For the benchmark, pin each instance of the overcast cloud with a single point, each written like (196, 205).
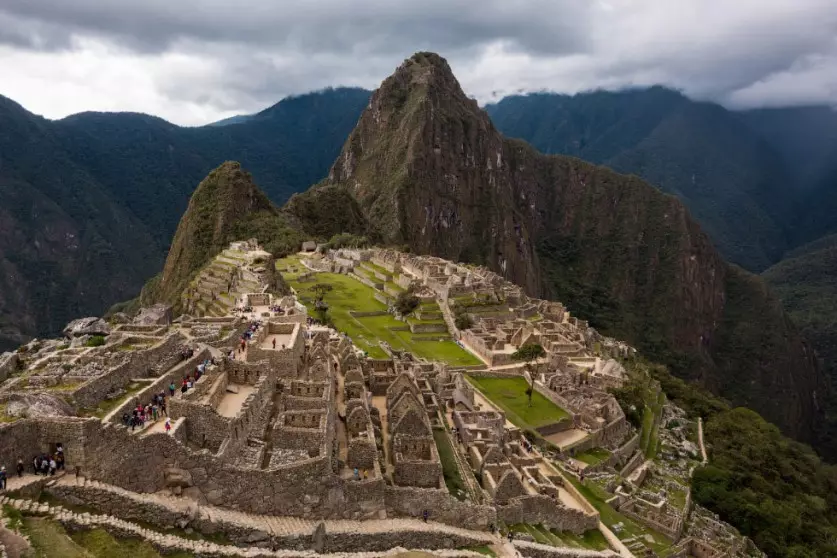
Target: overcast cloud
(196, 61)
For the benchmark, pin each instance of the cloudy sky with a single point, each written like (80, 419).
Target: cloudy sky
(196, 61)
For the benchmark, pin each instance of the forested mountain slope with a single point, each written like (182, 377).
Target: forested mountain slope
(89, 204)
(430, 172)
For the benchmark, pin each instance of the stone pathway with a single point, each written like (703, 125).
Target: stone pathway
(277, 526)
(167, 543)
(700, 440)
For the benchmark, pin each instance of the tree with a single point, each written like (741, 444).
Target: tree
(463, 320)
(529, 353)
(406, 303)
(320, 305)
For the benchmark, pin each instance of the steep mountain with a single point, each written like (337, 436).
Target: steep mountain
(726, 173)
(430, 172)
(89, 204)
(226, 206)
(68, 246)
(806, 281)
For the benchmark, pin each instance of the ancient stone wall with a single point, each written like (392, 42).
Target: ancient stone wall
(279, 358)
(174, 374)
(440, 505)
(537, 550)
(540, 509)
(140, 364)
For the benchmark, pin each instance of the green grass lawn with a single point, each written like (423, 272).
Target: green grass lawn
(349, 295)
(510, 395)
(593, 456)
(450, 470)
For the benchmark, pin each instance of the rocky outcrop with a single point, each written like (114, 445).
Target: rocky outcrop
(157, 314)
(36, 405)
(431, 173)
(87, 326)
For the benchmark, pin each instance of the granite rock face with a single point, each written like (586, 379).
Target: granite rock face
(87, 326)
(38, 405)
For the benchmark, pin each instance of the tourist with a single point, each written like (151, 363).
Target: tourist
(59, 460)
(184, 387)
(126, 419)
(20, 468)
(36, 464)
(511, 536)
(365, 474)
(274, 343)
(52, 466)
(425, 515)
(171, 389)
(163, 408)
(154, 412)
(3, 478)
(357, 474)
(168, 425)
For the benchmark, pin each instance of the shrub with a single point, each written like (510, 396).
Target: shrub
(95, 341)
(463, 321)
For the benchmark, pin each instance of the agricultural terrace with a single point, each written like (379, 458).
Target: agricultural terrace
(510, 395)
(348, 297)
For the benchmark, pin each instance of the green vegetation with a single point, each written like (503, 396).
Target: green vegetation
(50, 540)
(481, 549)
(591, 540)
(510, 395)
(529, 353)
(610, 517)
(593, 456)
(108, 405)
(95, 341)
(806, 282)
(102, 544)
(346, 240)
(125, 180)
(450, 469)
(406, 303)
(773, 489)
(351, 296)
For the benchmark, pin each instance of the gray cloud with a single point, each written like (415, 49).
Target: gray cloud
(196, 60)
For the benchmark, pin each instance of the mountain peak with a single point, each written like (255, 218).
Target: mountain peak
(226, 206)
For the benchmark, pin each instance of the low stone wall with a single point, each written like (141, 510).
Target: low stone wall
(632, 464)
(554, 428)
(354, 314)
(540, 509)
(175, 374)
(440, 505)
(537, 550)
(140, 364)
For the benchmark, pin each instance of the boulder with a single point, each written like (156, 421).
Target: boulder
(9, 363)
(34, 405)
(120, 318)
(158, 314)
(87, 326)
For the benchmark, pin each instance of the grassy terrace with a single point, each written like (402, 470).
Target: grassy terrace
(591, 540)
(350, 295)
(450, 470)
(510, 395)
(593, 456)
(597, 496)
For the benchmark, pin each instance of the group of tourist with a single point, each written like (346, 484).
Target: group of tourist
(149, 412)
(42, 464)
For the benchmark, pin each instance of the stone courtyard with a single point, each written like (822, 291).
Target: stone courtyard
(282, 434)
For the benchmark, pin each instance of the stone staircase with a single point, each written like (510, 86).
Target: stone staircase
(241, 527)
